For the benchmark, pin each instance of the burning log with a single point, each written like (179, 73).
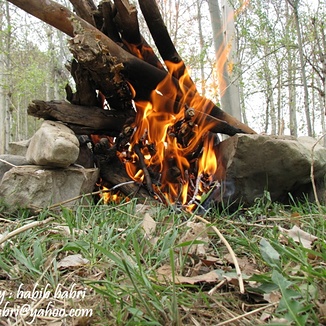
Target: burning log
(165, 130)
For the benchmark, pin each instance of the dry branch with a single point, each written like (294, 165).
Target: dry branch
(85, 9)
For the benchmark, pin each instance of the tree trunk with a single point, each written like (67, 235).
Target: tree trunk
(6, 80)
(229, 93)
(291, 76)
(269, 93)
(295, 5)
(2, 83)
(201, 46)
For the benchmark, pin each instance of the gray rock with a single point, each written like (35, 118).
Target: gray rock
(7, 162)
(36, 186)
(19, 147)
(252, 164)
(53, 144)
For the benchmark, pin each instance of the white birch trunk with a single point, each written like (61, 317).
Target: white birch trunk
(229, 93)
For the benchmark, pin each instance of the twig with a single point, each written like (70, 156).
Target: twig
(24, 228)
(193, 199)
(312, 175)
(233, 256)
(144, 168)
(90, 194)
(6, 162)
(247, 314)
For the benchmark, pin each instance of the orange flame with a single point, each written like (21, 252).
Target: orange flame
(176, 147)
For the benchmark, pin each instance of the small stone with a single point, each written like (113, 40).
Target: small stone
(53, 144)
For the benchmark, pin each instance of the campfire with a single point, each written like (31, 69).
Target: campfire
(166, 150)
(154, 135)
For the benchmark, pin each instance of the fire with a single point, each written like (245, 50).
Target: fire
(108, 196)
(171, 151)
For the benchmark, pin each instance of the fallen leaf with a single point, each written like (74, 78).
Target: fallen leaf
(322, 312)
(272, 297)
(300, 236)
(196, 232)
(247, 267)
(2, 236)
(210, 260)
(164, 273)
(149, 225)
(72, 261)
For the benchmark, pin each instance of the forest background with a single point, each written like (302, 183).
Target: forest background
(264, 61)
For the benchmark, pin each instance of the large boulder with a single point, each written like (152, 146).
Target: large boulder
(36, 186)
(253, 164)
(53, 144)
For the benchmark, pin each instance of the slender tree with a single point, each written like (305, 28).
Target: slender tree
(202, 47)
(6, 78)
(291, 73)
(295, 7)
(229, 95)
(2, 82)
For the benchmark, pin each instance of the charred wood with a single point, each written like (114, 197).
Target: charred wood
(81, 119)
(85, 92)
(85, 9)
(113, 172)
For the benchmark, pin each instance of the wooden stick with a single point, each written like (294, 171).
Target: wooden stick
(143, 166)
(24, 228)
(6, 162)
(247, 314)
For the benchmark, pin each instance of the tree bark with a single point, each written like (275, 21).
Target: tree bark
(81, 119)
(85, 9)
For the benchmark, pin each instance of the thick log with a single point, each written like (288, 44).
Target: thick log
(127, 22)
(81, 119)
(108, 26)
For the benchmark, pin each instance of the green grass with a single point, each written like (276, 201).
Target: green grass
(284, 281)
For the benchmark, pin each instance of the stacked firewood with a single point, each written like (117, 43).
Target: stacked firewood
(115, 73)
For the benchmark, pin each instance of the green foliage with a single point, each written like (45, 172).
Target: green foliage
(123, 262)
(290, 307)
(293, 305)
